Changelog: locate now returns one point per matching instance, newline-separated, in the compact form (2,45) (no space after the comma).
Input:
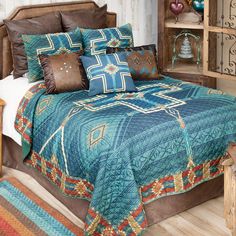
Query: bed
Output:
(189,110)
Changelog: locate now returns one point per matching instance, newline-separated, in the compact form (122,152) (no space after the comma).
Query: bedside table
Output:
(2,103)
(230,190)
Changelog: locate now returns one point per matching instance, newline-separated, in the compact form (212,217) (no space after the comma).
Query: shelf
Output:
(170,23)
(184,68)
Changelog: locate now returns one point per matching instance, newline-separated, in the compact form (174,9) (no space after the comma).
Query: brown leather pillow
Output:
(142,61)
(49,23)
(63,72)
(86,18)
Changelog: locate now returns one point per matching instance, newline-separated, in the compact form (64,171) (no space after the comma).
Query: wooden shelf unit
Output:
(168,28)
(171,23)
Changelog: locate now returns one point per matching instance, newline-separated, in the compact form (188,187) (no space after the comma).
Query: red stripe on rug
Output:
(50,210)
(7,228)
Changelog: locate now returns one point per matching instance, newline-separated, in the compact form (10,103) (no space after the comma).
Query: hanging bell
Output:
(186,49)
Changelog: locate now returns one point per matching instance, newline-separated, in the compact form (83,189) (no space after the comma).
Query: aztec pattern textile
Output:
(121,151)
(108,73)
(49,44)
(142,61)
(96,41)
(142,65)
(23,213)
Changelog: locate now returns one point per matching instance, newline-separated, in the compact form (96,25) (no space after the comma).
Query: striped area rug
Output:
(22,213)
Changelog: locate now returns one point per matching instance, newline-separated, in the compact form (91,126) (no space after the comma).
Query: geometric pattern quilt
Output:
(108,73)
(121,151)
(49,44)
(96,41)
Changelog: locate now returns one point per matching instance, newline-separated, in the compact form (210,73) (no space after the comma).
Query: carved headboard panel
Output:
(39,10)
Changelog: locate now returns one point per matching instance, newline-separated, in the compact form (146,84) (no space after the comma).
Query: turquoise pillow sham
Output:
(108,73)
(96,41)
(49,44)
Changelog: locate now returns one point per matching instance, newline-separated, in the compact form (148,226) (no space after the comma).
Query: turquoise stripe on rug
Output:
(34,212)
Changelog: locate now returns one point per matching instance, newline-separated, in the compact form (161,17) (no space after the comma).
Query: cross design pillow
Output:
(108,73)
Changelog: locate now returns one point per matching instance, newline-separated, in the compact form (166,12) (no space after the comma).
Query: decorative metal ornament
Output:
(176,8)
(185,52)
(198,5)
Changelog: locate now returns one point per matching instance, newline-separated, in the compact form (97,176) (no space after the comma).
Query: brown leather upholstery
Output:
(63,72)
(88,18)
(36,25)
(34,11)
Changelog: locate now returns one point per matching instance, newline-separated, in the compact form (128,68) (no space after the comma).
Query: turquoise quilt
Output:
(122,151)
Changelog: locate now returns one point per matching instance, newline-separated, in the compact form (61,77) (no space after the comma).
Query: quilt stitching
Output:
(115,172)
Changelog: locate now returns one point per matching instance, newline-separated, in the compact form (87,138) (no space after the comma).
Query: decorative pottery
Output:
(198,5)
(176,8)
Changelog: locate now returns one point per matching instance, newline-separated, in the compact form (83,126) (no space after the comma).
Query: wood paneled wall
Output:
(142,14)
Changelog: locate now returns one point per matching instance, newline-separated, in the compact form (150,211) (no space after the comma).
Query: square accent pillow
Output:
(108,73)
(95,18)
(36,25)
(63,72)
(48,44)
(142,61)
(96,41)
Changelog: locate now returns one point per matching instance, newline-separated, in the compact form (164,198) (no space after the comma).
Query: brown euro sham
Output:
(151,47)
(63,72)
(86,18)
(49,23)
(142,61)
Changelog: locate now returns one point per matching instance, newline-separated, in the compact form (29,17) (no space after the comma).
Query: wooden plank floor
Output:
(204,220)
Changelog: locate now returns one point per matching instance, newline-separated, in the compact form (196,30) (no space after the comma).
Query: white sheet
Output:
(12,91)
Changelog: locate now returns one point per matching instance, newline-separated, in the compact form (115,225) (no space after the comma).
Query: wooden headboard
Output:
(33,11)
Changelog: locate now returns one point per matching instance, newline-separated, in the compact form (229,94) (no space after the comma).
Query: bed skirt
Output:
(156,211)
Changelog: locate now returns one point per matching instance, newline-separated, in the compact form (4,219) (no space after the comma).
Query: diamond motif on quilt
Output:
(114,43)
(134,225)
(63,180)
(92,227)
(121,233)
(54,174)
(190,163)
(157,187)
(111,69)
(96,135)
(178,180)
(33,159)
(191,176)
(80,188)
(108,232)
(206,170)
(44,166)
(54,160)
